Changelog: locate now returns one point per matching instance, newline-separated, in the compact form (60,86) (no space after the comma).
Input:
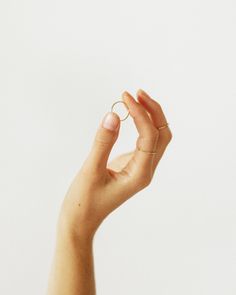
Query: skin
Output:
(101,187)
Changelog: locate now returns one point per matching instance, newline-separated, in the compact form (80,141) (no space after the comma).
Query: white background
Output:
(62,65)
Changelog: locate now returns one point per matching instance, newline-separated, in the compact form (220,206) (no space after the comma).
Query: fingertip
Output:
(125,95)
(128,98)
(145,99)
(140,92)
(131,103)
(111,121)
(116,116)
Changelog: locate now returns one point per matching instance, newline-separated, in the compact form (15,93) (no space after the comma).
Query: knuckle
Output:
(104,140)
(167,136)
(88,170)
(143,181)
(101,142)
(146,181)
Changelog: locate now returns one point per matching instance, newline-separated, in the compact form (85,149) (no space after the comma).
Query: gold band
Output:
(147,152)
(163,126)
(120,101)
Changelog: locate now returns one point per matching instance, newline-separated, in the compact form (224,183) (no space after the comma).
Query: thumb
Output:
(105,138)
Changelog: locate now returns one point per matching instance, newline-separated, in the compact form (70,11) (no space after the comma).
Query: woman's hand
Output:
(99,188)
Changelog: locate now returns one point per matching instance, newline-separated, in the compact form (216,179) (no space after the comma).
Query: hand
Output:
(99,188)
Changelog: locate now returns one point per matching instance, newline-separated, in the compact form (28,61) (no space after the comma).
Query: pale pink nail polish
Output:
(110,121)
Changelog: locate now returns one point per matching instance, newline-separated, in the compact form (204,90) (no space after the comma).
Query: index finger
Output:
(140,167)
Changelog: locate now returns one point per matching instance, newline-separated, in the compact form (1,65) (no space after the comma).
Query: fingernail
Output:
(125,95)
(111,121)
(142,92)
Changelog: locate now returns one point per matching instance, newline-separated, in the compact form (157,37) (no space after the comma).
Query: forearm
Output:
(72,270)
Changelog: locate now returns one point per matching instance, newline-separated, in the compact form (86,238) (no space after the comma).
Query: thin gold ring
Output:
(147,152)
(120,101)
(163,126)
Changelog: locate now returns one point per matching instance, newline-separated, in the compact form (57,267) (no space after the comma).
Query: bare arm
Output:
(99,188)
(72,271)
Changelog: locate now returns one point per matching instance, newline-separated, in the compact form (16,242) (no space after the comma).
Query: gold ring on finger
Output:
(147,152)
(163,126)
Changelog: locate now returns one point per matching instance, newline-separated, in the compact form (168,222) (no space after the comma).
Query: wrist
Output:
(68,228)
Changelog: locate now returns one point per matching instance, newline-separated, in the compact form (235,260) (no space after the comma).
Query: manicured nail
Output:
(111,121)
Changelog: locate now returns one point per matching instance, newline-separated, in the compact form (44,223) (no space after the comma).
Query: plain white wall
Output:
(62,65)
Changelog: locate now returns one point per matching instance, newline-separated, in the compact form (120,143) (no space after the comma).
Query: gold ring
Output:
(120,101)
(147,152)
(163,127)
